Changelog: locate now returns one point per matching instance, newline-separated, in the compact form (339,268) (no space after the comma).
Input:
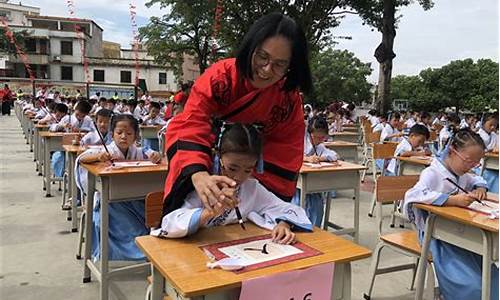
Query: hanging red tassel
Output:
(19,51)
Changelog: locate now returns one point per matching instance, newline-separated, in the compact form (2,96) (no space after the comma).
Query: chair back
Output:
(389,189)
(67,139)
(383,150)
(153,208)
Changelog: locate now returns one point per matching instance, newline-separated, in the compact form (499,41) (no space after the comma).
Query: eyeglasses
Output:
(473,164)
(262,59)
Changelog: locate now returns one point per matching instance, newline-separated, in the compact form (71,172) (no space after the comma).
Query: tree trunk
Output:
(385,54)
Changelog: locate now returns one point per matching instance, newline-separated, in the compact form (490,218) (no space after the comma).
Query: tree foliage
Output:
(187,27)
(339,75)
(5,44)
(463,84)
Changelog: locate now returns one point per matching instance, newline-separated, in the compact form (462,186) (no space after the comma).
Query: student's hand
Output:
(462,200)
(282,234)
(479,193)
(312,159)
(230,200)
(155,157)
(104,156)
(208,187)
(427,152)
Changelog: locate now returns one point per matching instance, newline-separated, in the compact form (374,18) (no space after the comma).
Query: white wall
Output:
(150,74)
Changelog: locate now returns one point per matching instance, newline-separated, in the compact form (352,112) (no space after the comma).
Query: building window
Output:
(30,45)
(162,79)
(66,47)
(66,73)
(5,14)
(125,76)
(99,75)
(43,46)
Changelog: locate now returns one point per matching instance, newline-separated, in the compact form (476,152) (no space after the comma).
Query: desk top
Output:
(150,126)
(340,144)
(41,126)
(59,134)
(184,264)
(103,169)
(491,154)
(344,166)
(345,133)
(74,148)
(463,215)
(418,160)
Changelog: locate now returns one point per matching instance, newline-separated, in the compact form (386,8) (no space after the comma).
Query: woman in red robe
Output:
(261,85)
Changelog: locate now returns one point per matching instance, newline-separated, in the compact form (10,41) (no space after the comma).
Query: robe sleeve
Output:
(269,210)
(327,153)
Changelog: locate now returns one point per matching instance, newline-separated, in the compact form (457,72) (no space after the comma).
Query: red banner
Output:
(19,51)
(80,34)
(135,34)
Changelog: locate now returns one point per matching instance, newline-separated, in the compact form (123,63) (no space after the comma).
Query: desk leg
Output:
(356,209)
(341,285)
(73,192)
(487,255)
(422,266)
(89,205)
(46,167)
(303,190)
(157,284)
(326,217)
(104,239)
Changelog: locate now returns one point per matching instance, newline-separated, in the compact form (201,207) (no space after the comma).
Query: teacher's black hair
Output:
(271,25)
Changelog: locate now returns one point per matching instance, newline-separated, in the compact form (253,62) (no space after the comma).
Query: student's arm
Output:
(477,185)
(412,153)
(94,156)
(326,154)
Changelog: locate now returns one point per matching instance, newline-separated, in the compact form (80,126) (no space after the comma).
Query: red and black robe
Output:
(221,93)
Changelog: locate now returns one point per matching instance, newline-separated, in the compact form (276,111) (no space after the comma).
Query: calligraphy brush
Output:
(463,190)
(314,147)
(103,143)
(48,112)
(240,219)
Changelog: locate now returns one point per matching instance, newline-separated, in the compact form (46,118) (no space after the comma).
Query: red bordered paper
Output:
(307,251)
(492,206)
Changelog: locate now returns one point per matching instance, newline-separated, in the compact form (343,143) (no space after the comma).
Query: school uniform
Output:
(152,143)
(491,176)
(315,201)
(374,121)
(92,138)
(40,114)
(444,136)
(139,112)
(458,271)
(387,131)
(126,219)
(257,205)
(403,146)
(379,127)
(410,123)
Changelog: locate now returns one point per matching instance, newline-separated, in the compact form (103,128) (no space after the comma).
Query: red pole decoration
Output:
(79,30)
(19,51)
(135,34)
(218,16)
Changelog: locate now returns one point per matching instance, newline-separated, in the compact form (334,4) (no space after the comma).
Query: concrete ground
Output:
(37,249)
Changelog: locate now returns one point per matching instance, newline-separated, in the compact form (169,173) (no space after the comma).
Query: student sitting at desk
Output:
(126,219)
(382,122)
(448,130)
(238,152)
(154,118)
(411,146)
(60,110)
(79,121)
(458,270)
(390,132)
(103,118)
(490,139)
(315,152)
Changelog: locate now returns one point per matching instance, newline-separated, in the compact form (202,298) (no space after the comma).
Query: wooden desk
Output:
(183,265)
(352,137)
(51,141)
(72,152)
(490,162)
(345,176)
(38,154)
(412,165)
(31,131)
(464,228)
(150,131)
(346,150)
(125,184)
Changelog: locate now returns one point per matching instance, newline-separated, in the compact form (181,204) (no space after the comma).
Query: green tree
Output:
(381,14)
(5,44)
(187,27)
(339,75)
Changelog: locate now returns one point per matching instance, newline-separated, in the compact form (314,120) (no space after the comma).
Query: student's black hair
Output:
(102,99)
(466,137)
(141,102)
(394,115)
(489,117)
(83,107)
(106,113)
(111,100)
(351,106)
(52,106)
(317,123)
(241,138)
(272,25)
(453,122)
(420,130)
(155,105)
(61,107)
(132,102)
(125,117)
(424,115)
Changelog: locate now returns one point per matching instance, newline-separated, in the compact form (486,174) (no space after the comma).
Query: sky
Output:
(451,30)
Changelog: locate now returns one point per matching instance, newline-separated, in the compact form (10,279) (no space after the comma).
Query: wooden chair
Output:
(380,151)
(370,139)
(388,190)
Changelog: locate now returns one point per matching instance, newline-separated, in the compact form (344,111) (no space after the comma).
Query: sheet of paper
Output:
(322,165)
(250,256)
(491,208)
(129,164)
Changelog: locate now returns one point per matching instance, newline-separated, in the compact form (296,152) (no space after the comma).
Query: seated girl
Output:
(126,219)
(239,148)
(458,271)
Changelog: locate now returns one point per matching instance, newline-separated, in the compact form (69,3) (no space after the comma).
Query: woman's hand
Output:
(155,157)
(208,187)
(282,234)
